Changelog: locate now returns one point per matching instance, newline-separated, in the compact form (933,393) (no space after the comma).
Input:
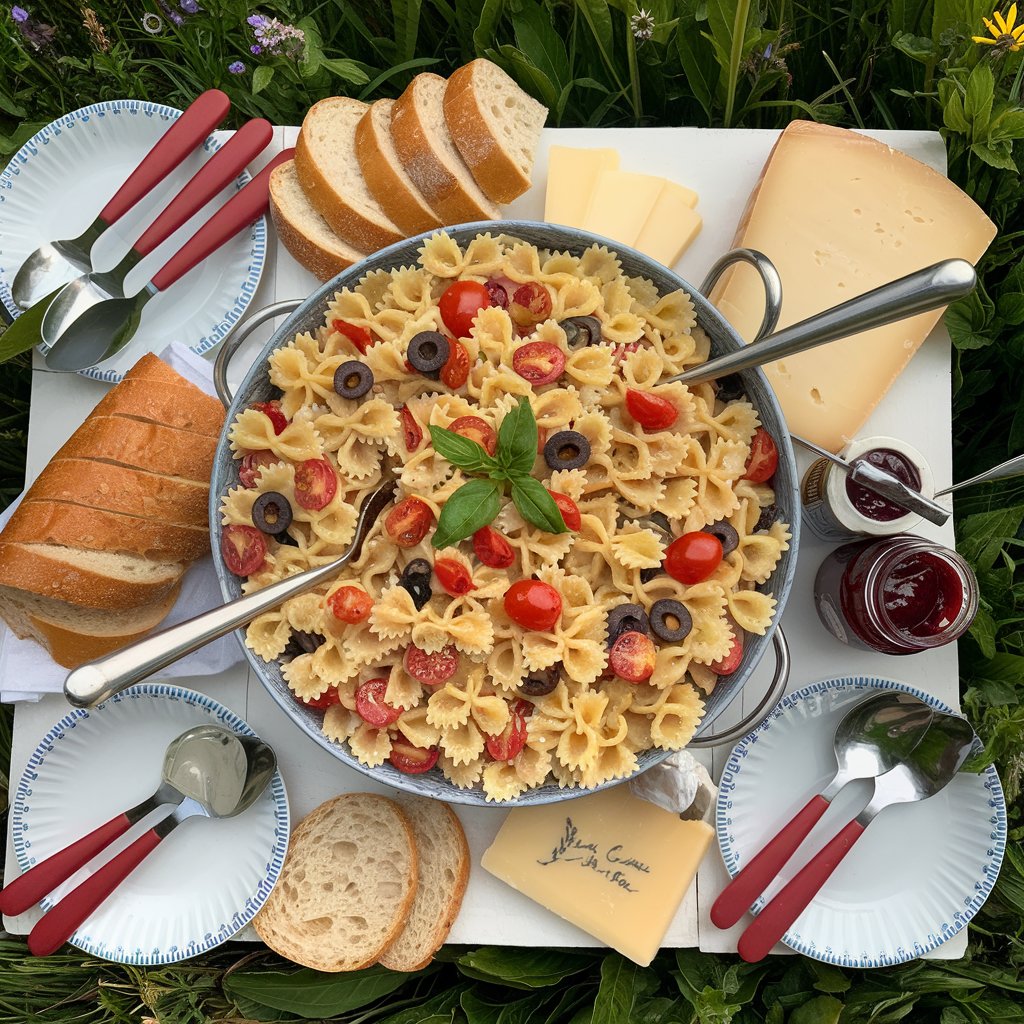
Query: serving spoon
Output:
(874,736)
(216,775)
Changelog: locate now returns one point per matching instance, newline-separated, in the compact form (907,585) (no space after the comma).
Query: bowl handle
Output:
(769,278)
(231,344)
(772,696)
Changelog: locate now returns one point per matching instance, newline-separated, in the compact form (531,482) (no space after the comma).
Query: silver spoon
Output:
(218,776)
(1011,467)
(925,770)
(876,734)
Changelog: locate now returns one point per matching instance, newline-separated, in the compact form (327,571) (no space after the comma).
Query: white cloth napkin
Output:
(27,671)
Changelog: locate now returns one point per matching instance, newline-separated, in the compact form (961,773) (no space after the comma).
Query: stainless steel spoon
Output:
(876,734)
(925,770)
(218,775)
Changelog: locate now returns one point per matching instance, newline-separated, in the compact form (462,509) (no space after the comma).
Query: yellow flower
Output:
(1004,33)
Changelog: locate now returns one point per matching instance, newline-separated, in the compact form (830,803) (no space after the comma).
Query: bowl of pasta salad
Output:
(582,564)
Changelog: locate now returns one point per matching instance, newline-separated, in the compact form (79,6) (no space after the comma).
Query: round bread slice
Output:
(346,886)
(444,873)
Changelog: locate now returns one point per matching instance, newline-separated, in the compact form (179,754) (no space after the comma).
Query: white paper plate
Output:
(62,177)
(918,875)
(203,883)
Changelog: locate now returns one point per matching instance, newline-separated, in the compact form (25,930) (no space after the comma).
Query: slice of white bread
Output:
(383,172)
(181,406)
(303,232)
(495,126)
(346,886)
(328,171)
(444,873)
(420,135)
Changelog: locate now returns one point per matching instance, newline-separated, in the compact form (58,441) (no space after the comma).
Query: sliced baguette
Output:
(495,127)
(392,187)
(346,886)
(184,407)
(429,156)
(443,875)
(303,232)
(328,171)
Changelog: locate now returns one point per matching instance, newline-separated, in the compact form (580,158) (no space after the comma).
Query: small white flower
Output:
(642,24)
(153,24)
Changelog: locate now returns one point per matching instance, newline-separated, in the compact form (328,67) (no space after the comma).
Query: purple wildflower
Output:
(189,6)
(276,37)
(236,68)
(19,14)
(171,13)
(256,49)
(256,20)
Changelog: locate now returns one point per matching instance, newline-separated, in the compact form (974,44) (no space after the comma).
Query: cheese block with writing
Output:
(839,214)
(612,864)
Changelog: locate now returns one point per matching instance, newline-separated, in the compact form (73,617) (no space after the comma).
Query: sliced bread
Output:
(183,407)
(426,150)
(346,886)
(495,126)
(303,232)
(328,171)
(383,172)
(443,875)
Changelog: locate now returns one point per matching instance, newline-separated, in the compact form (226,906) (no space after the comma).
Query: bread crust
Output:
(320,262)
(183,407)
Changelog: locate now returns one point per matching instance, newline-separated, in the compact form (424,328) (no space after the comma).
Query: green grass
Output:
(861,63)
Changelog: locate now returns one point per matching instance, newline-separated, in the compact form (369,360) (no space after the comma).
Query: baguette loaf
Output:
(181,406)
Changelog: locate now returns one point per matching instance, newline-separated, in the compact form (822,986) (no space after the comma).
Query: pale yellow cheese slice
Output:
(612,864)
(671,226)
(839,214)
(571,177)
(620,204)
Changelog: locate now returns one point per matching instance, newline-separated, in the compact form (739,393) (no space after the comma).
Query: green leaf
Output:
(536,37)
(346,70)
(981,87)
(406,14)
(517,439)
(820,1010)
(24,333)
(995,157)
(536,505)
(966,321)
(261,78)
(983,535)
(523,968)
(461,451)
(490,15)
(529,76)
(472,506)
(699,65)
(983,629)
(616,995)
(919,48)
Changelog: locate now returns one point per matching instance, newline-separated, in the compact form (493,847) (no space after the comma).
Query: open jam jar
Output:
(895,595)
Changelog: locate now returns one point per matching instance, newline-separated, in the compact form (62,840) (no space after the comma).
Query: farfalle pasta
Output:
(614,531)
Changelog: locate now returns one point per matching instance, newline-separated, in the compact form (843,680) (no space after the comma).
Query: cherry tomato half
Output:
(652,412)
(476,429)
(252,463)
(372,707)
(455,372)
(359,336)
(431,669)
(498,293)
(326,700)
(492,549)
(411,430)
(412,760)
(272,410)
(459,304)
(693,557)
(510,741)
(453,576)
(408,522)
(569,509)
(350,604)
(632,657)
(531,303)
(244,549)
(533,604)
(539,362)
(316,484)
(764,457)
(728,664)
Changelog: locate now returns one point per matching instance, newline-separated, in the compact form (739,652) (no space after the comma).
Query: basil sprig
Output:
(476,503)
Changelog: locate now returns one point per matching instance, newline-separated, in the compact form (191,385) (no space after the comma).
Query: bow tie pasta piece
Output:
(671,314)
(535,547)
(252,431)
(714,471)
(556,408)
(736,421)
(410,291)
(489,384)
(637,548)
(759,551)
(441,256)
(371,746)
(393,614)
(302,678)
(462,776)
(501,781)
(413,725)
(494,335)
(387,362)
(599,265)
(303,373)
(751,609)
(340,723)
(402,690)
(268,634)
(578,297)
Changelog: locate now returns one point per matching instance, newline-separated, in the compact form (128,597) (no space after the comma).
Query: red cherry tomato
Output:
(244,549)
(453,576)
(327,699)
(650,411)
(359,336)
(459,304)
(455,371)
(350,604)
(272,410)
(569,509)
(728,664)
(542,439)
(372,707)
(498,294)
(632,657)
(431,669)
(492,549)
(539,362)
(252,463)
(412,760)
(531,303)
(412,431)
(477,430)
(533,604)
(693,557)
(316,484)
(408,522)
(510,741)
(764,457)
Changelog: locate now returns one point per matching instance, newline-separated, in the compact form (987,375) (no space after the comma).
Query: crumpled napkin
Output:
(27,671)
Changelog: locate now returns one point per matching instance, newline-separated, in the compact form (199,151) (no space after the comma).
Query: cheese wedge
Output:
(571,177)
(839,214)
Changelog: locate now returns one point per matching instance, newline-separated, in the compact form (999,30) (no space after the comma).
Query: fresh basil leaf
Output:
(473,505)
(536,506)
(517,440)
(461,451)
(523,968)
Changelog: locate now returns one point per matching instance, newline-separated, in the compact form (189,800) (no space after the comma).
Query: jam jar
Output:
(895,595)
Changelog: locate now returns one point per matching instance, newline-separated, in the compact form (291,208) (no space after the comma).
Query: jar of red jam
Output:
(895,595)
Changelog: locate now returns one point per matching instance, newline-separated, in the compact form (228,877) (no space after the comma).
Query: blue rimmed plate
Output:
(202,884)
(918,875)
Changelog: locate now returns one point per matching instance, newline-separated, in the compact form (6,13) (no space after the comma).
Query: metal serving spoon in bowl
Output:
(876,734)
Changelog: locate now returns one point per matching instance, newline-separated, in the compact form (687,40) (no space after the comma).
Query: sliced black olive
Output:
(271,513)
(646,575)
(581,331)
(670,621)
(730,389)
(428,352)
(538,684)
(416,580)
(568,449)
(353,379)
(626,618)
(767,517)
(302,643)
(726,534)
(418,567)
